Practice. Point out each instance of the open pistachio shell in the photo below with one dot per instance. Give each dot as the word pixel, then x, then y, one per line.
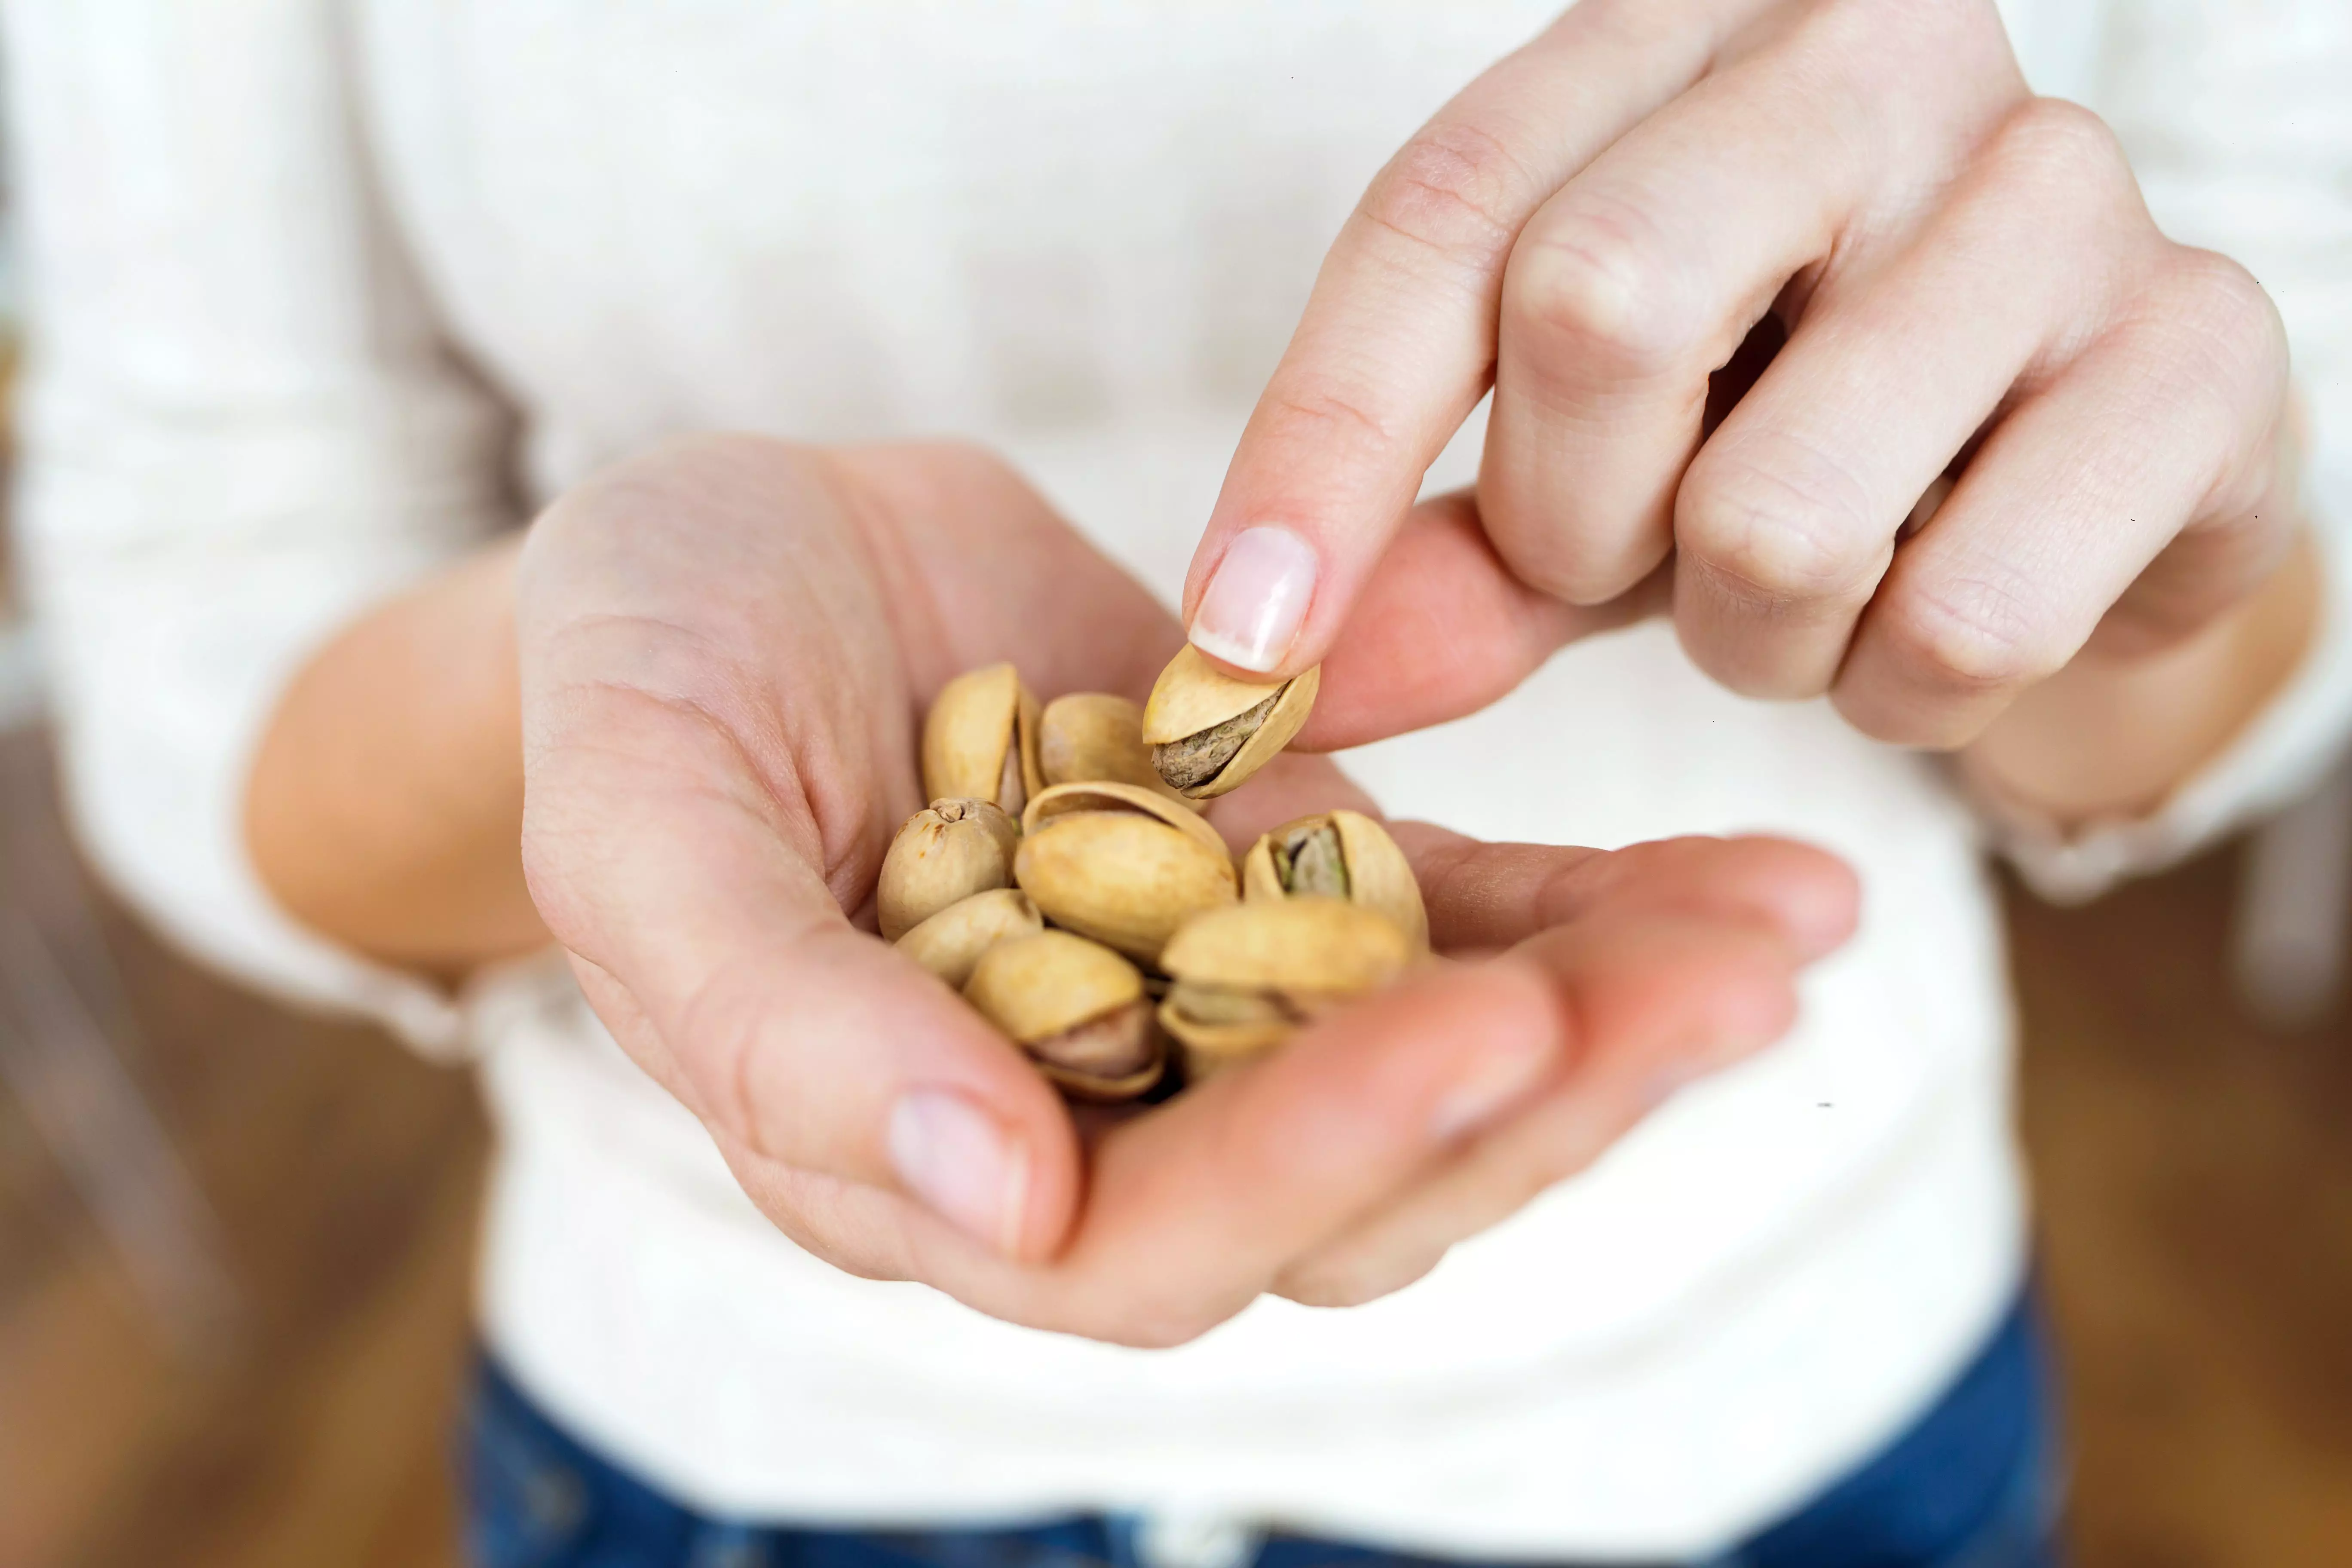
pixel 952 942
pixel 1076 1008
pixel 1208 1050
pixel 1094 737
pixel 1342 855
pixel 1209 731
pixel 1066 800
pixel 942 855
pixel 1121 864
pixel 1298 947
pixel 980 739
pixel 1246 976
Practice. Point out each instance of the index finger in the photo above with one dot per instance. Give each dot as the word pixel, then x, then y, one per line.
pixel 1397 343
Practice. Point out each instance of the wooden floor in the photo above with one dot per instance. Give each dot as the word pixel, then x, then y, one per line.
pixel 2195 1177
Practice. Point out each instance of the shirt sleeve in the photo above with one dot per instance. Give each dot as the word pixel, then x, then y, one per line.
pixel 238 429
pixel 2239 125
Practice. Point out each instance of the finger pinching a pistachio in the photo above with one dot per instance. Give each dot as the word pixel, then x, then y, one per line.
pixel 1209 733
pixel 1338 854
pixel 1065 882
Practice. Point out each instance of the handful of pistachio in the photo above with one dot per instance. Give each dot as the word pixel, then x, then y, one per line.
pixel 1063 881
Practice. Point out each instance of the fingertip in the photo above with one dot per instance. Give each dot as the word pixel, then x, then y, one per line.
pixel 1813 895
pixel 1808 895
pixel 1249 614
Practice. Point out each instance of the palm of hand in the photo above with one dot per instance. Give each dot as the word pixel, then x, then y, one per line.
pixel 725 648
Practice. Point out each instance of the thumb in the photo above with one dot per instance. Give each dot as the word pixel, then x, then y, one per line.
pixel 1443 628
pixel 717 956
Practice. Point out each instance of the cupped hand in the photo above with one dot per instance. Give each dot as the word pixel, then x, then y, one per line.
pixel 726 646
pixel 1614 230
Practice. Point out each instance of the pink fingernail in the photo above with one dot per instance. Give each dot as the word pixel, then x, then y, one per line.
pixel 955 1157
pixel 1495 1084
pixel 1257 598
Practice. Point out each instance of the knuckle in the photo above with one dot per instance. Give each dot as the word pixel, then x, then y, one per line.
pixel 2227 310
pixel 2065 149
pixel 1588 287
pixel 1791 523
pixel 1454 189
pixel 1979 633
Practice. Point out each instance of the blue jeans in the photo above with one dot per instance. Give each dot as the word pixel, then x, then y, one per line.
pixel 1972 1484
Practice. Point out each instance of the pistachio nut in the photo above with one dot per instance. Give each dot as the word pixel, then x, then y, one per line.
pixel 1076 1008
pixel 1208 732
pixel 980 739
pixel 1093 737
pixel 951 942
pixel 1338 854
pixel 1246 976
pixel 1121 864
pixel 941 855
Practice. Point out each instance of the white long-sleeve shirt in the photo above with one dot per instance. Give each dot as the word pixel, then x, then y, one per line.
pixel 307 276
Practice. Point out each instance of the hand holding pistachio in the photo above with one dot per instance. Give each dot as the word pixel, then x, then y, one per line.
pixel 723 691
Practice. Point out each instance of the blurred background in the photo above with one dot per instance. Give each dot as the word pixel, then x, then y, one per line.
pixel 235 1242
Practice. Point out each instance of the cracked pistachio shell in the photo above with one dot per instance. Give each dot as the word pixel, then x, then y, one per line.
pixel 1071 799
pixel 1308 951
pixel 1192 696
pixel 1040 985
pixel 1209 1048
pixel 1121 864
pixel 1094 737
pixel 1078 1008
pixel 943 854
pixel 1378 876
pixel 980 739
pixel 1247 976
pixel 952 942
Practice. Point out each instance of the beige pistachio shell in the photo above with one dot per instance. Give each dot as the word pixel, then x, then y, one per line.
pixel 1192 696
pixel 980 739
pixel 1036 986
pixel 1306 949
pixel 951 942
pixel 1160 805
pixel 942 855
pixel 1094 737
pixel 1117 1056
pixel 1123 877
pixel 1209 1049
pixel 1078 1010
pixel 1376 874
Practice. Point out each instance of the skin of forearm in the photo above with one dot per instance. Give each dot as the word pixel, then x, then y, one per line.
pixel 385 806
pixel 2110 738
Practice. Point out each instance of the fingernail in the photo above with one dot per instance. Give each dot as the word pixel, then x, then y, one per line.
pixel 1495 1084
pixel 955 1157
pixel 1257 598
